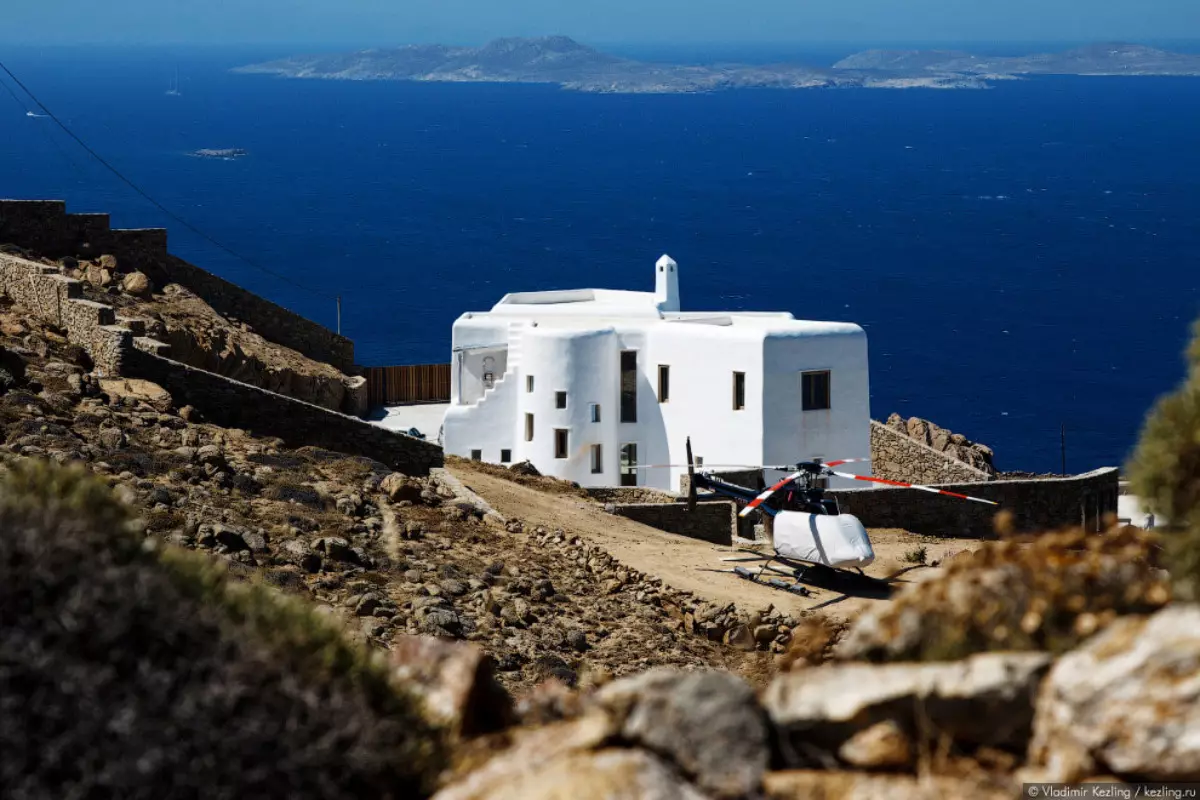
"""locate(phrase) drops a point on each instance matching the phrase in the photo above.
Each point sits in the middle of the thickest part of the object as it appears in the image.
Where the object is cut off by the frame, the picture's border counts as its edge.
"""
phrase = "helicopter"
(811, 541)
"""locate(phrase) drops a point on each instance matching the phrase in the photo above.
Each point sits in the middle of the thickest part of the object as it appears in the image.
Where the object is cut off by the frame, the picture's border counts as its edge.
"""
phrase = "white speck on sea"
(1004, 413)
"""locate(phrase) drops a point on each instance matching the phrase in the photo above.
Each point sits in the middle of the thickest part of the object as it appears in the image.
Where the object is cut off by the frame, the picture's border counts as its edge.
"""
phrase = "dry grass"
(542, 483)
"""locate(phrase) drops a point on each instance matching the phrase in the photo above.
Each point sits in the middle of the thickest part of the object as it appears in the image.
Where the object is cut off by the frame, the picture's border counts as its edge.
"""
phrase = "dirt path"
(690, 564)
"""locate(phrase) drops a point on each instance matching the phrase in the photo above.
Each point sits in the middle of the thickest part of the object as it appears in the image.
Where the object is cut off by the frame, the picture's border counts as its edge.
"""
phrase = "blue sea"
(1022, 258)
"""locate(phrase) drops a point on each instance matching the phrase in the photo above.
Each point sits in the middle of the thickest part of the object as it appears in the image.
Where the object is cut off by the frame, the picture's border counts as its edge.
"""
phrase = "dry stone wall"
(1036, 505)
(120, 350)
(713, 522)
(240, 405)
(899, 457)
(45, 227)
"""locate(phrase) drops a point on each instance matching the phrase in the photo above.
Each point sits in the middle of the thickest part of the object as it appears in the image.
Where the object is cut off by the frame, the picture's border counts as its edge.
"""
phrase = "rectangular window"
(664, 383)
(560, 399)
(699, 462)
(629, 386)
(560, 443)
(477, 455)
(629, 460)
(529, 427)
(506, 456)
(597, 460)
(595, 412)
(529, 383)
(815, 390)
(739, 391)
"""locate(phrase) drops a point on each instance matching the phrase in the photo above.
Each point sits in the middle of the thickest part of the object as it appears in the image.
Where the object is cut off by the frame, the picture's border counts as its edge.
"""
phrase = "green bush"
(1165, 472)
(133, 670)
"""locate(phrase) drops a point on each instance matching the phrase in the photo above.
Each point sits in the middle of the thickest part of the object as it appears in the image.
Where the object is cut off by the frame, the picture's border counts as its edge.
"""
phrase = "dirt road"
(690, 564)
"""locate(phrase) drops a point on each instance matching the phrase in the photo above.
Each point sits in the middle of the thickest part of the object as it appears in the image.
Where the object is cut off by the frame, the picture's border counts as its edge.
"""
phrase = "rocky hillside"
(391, 554)
(955, 445)
(201, 337)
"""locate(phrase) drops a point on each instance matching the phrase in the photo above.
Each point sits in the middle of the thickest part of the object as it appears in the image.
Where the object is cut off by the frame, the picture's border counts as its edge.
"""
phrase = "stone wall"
(1036, 505)
(711, 521)
(45, 227)
(121, 350)
(629, 494)
(898, 457)
(239, 405)
(58, 300)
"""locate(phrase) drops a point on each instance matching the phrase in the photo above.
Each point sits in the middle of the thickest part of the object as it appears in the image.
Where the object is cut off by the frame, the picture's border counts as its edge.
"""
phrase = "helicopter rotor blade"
(904, 485)
(762, 498)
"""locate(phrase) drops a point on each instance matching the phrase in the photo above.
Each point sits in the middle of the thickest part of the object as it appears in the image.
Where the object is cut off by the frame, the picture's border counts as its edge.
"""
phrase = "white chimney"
(666, 284)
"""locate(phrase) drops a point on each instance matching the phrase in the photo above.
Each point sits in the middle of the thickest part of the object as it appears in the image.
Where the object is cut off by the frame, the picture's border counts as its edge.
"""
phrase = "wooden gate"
(410, 383)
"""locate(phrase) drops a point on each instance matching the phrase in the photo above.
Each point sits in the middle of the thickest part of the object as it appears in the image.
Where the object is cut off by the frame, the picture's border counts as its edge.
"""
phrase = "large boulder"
(1127, 703)
(1047, 594)
(829, 784)
(603, 775)
(823, 715)
(708, 724)
(455, 682)
(137, 390)
(137, 284)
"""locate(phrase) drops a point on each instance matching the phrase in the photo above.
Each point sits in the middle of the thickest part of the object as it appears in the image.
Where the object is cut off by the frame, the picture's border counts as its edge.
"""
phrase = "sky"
(378, 22)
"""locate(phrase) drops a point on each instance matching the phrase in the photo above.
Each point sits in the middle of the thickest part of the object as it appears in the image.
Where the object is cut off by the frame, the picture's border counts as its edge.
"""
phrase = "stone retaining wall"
(45, 227)
(239, 405)
(900, 458)
(710, 521)
(629, 495)
(115, 350)
(1036, 505)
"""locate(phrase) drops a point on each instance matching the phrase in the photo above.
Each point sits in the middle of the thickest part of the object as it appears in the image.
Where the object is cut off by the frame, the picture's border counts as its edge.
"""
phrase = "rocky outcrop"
(874, 716)
(1047, 594)
(955, 445)
(1127, 704)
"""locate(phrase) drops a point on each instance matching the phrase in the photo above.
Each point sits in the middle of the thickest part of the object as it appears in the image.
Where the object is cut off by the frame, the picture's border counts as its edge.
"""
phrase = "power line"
(21, 103)
(146, 196)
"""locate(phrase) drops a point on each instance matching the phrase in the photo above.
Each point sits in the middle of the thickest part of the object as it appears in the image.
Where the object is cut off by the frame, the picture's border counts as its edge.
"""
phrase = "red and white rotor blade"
(762, 498)
(845, 461)
(912, 486)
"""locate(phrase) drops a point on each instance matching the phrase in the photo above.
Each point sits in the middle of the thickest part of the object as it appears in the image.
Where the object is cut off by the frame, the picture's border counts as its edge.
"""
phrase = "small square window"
(739, 391)
(529, 383)
(560, 399)
(529, 427)
(699, 462)
(477, 455)
(597, 460)
(506, 456)
(560, 443)
(815, 390)
(595, 412)
(664, 383)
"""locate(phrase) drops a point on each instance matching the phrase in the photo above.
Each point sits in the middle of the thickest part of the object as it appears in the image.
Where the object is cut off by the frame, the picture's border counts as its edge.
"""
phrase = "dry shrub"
(1045, 593)
(129, 669)
(813, 640)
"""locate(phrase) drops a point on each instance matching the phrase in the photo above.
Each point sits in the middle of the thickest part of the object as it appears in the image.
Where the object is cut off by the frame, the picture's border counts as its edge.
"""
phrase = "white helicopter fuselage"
(831, 540)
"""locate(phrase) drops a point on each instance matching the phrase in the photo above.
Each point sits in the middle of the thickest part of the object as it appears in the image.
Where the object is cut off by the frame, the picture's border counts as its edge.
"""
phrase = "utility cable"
(24, 108)
(146, 196)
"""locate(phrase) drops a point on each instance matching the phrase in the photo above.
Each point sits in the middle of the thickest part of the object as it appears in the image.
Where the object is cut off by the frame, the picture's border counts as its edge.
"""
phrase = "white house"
(590, 384)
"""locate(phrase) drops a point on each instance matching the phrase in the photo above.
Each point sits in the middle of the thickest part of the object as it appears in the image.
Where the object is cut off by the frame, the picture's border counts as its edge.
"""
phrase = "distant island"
(226, 154)
(563, 61)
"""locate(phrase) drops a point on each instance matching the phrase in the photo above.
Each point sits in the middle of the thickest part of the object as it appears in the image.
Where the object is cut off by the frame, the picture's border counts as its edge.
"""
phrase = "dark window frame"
(477, 455)
(664, 383)
(562, 443)
(597, 459)
(816, 390)
(595, 411)
(528, 426)
(629, 377)
(528, 384)
(739, 391)
(560, 399)
(506, 456)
